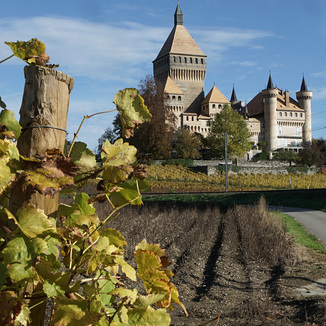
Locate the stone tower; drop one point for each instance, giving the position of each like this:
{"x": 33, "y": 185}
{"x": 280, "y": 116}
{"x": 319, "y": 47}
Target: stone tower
{"x": 304, "y": 98}
{"x": 182, "y": 60}
{"x": 270, "y": 104}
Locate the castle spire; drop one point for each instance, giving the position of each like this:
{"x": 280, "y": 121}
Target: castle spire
{"x": 178, "y": 16}
{"x": 304, "y": 87}
{"x": 234, "y": 95}
{"x": 270, "y": 84}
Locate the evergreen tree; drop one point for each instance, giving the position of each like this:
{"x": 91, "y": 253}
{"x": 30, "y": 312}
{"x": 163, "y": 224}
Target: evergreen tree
{"x": 238, "y": 138}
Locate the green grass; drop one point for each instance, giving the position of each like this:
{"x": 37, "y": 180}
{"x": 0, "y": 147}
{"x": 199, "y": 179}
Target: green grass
{"x": 300, "y": 234}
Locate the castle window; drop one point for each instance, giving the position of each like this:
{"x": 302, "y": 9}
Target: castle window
{"x": 174, "y": 59}
{"x": 301, "y": 115}
{"x": 280, "y": 114}
{"x": 173, "y": 97}
{"x": 291, "y": 114}
{"x": 190, "y": 60}
{"x": 180, "y": 60}
{"x": 286, "y": 114}
{"x": 196, "y": 60}
{"x": 202, "y": 61}
{"x": 185, "y": 60}
{"x": 179, "y": 98}
{"x": 296, "y": 115}
{"x": 219, "y": 106}
{"x": 187, "y": 118}
{"x": 192, "y": 118}
{"x": 213, "y": 106}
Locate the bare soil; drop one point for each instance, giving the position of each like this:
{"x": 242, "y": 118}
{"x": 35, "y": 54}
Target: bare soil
{"x": 239, "y": 266}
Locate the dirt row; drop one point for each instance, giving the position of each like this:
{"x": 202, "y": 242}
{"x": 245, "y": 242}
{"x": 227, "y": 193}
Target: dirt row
{"x": 238, "y": 266}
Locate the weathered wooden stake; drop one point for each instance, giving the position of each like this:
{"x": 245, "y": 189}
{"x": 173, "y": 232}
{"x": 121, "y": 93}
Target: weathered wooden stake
{"x": 43, "y": 117}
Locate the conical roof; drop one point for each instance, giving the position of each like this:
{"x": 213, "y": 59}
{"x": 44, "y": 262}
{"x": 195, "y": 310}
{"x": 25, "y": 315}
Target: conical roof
{"x": 233, "y": 96}
{"x": 171, "y": 87}
{"x": 180, "y": 42}
{"x": 304, "y": 87}
{"x": 215, "y": 96}
{"x": 270, "y": 84}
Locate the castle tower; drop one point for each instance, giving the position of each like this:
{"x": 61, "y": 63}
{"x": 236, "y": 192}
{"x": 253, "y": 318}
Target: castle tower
{"x": 270, "y": 104}
{"x": 181, "y": 59}
{"x": 304, "y": 97}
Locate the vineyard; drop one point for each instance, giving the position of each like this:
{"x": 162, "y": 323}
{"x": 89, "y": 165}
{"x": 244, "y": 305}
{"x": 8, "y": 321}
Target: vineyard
{"x": 172, "y": 178}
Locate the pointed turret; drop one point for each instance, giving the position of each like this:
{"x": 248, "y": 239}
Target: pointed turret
{"x": 304, "y": 87}
{"x": 304, "y": 97}
{"x": 270, "y": 84}
{"x": 233, "y": 96}
{"x": 178, "y": 16}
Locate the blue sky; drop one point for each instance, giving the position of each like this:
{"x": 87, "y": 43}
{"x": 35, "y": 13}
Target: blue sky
{"x": 110, "y": 45}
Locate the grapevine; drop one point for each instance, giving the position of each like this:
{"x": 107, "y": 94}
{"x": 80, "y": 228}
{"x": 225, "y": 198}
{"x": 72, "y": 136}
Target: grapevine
{"x": 77, "y": 260}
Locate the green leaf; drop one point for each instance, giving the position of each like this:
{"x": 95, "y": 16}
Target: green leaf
{"x": 132, "y": 110}
{"x": 18, "y": 260}
{"x": 51, "y": 289}
{"x": 118, "y": 154}
{"x": 6, "y": 175}
{"x": 74, "y": 313}
{"x": 26, "y": 50}
{"x": 148, "y": 300}
{"x": 7, "y": 118}
{"x": 9, "y": 149}
{"x": 32, "y": 221}
{"x": 116, "y": 174}
{"x": 83, "y": 157}
{"x": 23, "y": 316}
{"x": 148, "y": 317}
{"x": 2, "y": 104}
{"x": 82, "y": 201}
{"x": 115, "y": 237}
{"x": 126, "y": 268}
{"x": 128, "y": 194}
{"x": 126, "y": 293}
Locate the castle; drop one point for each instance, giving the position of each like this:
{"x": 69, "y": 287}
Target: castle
{"x": 272, "y": 116}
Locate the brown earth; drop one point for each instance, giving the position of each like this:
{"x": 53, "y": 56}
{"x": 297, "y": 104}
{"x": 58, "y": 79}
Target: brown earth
{"x": 239, "y": 265}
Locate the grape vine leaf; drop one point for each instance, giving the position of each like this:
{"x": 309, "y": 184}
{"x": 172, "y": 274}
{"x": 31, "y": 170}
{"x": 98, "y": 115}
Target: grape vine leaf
{"x": 7, "y": 118}
{"x": 74, "y": 313}
{"x": 83, "y": 157}
{"x": 118, "y": 154}
{"x": 6, "y": 175}
{"x": 151, "y": 269}
{"x": 17, "y": 257}
{"x": 132, "y": 110}
{"x": 129, "y": 192}
{"x": 32, "y": 221}
{"x": 32, "y": 51}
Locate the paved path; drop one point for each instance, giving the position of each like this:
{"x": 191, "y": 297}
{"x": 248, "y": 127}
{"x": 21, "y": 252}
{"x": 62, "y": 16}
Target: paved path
{"x": 314, "y": 221}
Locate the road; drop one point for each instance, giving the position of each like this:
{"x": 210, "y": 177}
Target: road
{"x": 314, "y": 221}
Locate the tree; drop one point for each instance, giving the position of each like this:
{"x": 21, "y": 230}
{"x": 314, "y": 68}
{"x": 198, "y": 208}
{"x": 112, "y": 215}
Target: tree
{"x": 187, "y": 144}
{"x": 154, "y": 138}
{"x": 286, "y": 156}
{"x": 238, "y": 137}
{"x": 310, "y": 156}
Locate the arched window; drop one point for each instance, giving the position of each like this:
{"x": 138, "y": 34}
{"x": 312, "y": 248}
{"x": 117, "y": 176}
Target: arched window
{"x": 196, "y": 60}
{"x": 202, "y": 61}
{"x": 180, "y": 60}
{"x": 213, "y": 106}
{"x": 185, "y": 60}
{"x": 173, "y": 97}
{"x": 190, "y": 60}
{"x": 174, "y": 59}
{"x": 179, "y": 98}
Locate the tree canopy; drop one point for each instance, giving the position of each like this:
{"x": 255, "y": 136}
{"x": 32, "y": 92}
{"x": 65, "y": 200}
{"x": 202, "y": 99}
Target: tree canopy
{"x": 187, "y": 144}
{"x": 238, "y": 138}
{"x": 153, "y": 139}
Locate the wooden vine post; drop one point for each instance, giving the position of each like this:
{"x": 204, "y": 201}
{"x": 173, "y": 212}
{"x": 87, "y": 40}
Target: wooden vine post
{"x": 43, "y": 117}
